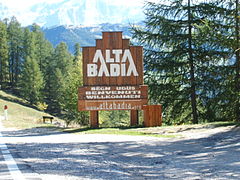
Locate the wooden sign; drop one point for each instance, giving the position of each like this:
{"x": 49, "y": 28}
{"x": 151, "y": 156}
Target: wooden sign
{"x": 112, "y": 75}
{"x": 112, "y": 62}
{"x": 109, "y": 105}
{"x": 112, "y": 92}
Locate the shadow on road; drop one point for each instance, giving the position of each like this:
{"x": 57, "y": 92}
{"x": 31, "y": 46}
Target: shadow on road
{"x": 214, "y": 157}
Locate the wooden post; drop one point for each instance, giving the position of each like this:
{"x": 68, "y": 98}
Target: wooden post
{"x": 134, "y": 117}
{"x": 152, "y": 115}
{"x": 94, "y": 123}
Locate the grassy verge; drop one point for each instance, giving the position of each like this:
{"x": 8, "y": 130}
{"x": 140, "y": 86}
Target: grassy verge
{"x": 164, "y": 131}
{"x": 20, "y": 116}
{"x": 220, "y": 124}
{"x": 117, "y": 131}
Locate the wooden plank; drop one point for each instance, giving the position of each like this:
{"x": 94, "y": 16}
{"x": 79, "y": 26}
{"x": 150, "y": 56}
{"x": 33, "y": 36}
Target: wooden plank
{"x": 160, "y": 115}
{"x": 125, "y": 44}
{"x": 109, "y": 105}
{"x": 144, "y": 90}
{"x": 152, "y": 115}
{"x": 99, "y": 43}
{"x": 112, "y": 92}
{"x": 134, "y": 117}
{"x": 111, "y": 39}
{"x": 88, "y": 55}
{"x": 146, "y": 115}
{"x": 133, "y": 79}
{"x": 94, "y": 119}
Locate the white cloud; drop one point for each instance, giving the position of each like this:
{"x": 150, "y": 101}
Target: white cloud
{"x": 21, "y": 5}
{"x": 25, "y": 4}
{"x": 22, "y": 9}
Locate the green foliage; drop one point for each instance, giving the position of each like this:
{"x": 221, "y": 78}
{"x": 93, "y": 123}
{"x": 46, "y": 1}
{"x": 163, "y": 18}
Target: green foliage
{"x": 223, "y": 26}
{"x": 4, "y": 64}
{"x": 114, "y": 118}
{"x": 15, "y": 41}
{"x": 45, "y": 76}
{"x": 170, "y": 39}
{"x": 31, "y": 82}
{"x": 69, "y": 98}
{"x": 175, "y": 67}
{"x": 56, "y": 72}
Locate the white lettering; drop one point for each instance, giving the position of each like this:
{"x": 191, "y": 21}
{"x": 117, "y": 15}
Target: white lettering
{"x": 98, "y": 55}
{"x": 115, "y": 69}
{"x": 108, "y": 57}
{"x": 117, "y": 53}
{"x": 123, "y": 69}
{"x": 132, "y": 67}
{"x": 92, "y": 70}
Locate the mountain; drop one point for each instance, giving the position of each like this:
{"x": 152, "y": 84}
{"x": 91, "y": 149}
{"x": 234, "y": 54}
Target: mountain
{"x": 75, "y": 21}
{"x": 84, "y": 35}
{"x": 75, "y": 12}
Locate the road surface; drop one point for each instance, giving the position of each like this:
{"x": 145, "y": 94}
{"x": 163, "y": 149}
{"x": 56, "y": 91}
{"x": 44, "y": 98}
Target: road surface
{"x": 47, "y": 154}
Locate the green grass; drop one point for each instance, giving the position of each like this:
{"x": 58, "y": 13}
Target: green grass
{"x": 117, "y": 131}
{"x": 167, "y": 131}
{"x": 227, "y": 123}
{"x": 19, "y": 116}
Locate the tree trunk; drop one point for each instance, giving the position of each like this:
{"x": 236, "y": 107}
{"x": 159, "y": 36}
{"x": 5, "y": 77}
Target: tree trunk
{"x": 237, "y": 81}
{"x": 191, "y": 64}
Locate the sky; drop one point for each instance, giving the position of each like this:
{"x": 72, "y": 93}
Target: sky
{"x": 21, "y": 8}
{"x": 25, "y": 4}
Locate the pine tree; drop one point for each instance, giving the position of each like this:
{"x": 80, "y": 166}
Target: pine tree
{"x": 69, "y": 98}
{"x": 44, "y": 48}
{"x": 191, "y": 63}
{"x": 77, "y": 53}
{"x": 15, "y": 33}
{"x": 223, "y": 37}
{"x": 170, "y": 38}
{"x": 31, "y": 81}
{"x": 29, "y": 45}
{"x": 237, "y": 62}
{"x": 57, "y": 70}
{"x": 4, "y": 66}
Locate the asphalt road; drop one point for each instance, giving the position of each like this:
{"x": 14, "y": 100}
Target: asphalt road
{"x": 44, "y": 154}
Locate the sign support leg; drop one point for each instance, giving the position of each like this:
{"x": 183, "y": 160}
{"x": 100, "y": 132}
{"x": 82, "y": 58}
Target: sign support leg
{"x": 134, "y": 117}
{"x": 94, "y": 122}
{"x": 152, "y": 115}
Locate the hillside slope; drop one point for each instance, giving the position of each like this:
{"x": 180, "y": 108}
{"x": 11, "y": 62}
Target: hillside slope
{"x": 19, "y": 115}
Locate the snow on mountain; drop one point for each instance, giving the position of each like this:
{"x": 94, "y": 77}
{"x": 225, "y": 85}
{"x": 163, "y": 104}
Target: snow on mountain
{"x": 76, "y": 12}
{"x": 85, "y": 35}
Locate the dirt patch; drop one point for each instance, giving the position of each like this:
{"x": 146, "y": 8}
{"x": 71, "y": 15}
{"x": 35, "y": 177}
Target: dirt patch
{"x": 189, "y": 131}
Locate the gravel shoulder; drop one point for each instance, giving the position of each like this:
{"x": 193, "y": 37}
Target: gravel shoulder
{"x": 197, "y": 153}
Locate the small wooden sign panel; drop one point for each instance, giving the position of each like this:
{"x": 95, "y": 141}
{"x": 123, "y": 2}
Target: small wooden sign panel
{"x": 112, "y": 75}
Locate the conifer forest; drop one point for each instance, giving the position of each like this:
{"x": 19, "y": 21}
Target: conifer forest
{"x": 191, "y": 64}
